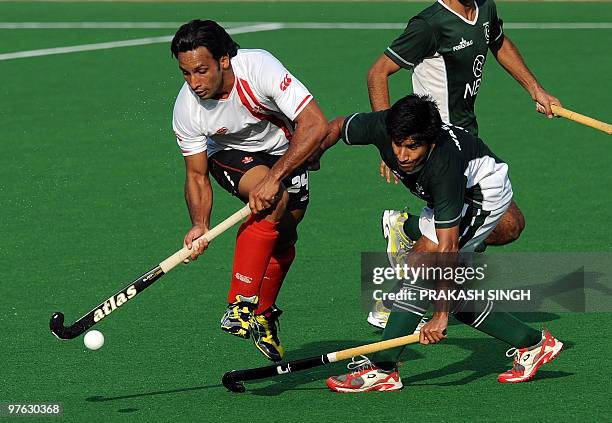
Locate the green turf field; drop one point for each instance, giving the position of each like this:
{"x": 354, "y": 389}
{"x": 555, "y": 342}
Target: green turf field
{"x": 91, "y": 197}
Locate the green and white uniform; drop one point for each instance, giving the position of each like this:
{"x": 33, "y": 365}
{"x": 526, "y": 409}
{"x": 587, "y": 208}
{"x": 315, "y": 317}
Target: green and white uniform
{"x": 463, "y": 182}
{"x": 447, "y": 53}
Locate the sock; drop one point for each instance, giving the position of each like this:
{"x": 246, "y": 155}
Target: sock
{"x": 411, "y": 227}
{"x": 273, "y": 279}
{"x": 499, "y": 324}
{"x": 480, "y": 248}
{"x": 254, "y": 245}
{"x": 400, "y": 323}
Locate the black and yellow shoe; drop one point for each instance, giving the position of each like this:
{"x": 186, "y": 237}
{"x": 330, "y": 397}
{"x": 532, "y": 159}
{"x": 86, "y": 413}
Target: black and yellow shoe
{"x": 264, "y": 329}
{"x": 238, "y": 314}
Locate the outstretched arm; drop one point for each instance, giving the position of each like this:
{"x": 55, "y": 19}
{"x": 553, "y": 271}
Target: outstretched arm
{"x": 511, "y": 60}
{"x": 334, "y": 131}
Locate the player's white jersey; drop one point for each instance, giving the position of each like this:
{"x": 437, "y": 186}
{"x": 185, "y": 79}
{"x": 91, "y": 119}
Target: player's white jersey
{"x": 257, "y": 115}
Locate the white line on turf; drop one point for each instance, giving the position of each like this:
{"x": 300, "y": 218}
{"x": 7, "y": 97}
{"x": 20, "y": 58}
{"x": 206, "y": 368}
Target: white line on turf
{"x": 126, "y": 43}
{"x": 296, "y": 25}
{"x": 251, "y": 27}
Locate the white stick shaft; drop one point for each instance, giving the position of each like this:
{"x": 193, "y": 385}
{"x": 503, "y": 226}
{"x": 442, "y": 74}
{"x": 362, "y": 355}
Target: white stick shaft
{"x": 178, "y": 257}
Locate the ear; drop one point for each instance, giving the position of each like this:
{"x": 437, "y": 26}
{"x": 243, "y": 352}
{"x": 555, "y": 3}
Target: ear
{"x": 225, "y": 62}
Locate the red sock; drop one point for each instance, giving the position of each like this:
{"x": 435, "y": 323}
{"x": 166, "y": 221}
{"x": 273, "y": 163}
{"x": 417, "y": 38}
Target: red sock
{"x": 254, "y": 245}
{"x": 273, "y": 280}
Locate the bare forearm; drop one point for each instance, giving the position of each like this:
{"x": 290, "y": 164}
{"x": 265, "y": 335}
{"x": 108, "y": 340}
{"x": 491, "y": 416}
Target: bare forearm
{"x": 199, "y": 198}
{"x": 378, "y": 90}
{"x": 310, "y": 131}
{"x": 511, "y": 60}
{"x": 333, "y": 133}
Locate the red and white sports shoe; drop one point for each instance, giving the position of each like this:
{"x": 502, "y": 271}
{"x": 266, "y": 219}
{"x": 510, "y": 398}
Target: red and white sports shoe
{"x": 527, "y": 361}
{"x": 364, "y": 376}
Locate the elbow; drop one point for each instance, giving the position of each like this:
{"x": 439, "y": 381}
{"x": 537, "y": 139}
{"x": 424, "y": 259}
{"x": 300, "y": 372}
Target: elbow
{"x": 374, "y": 76}
{"x": 320, "y": 129}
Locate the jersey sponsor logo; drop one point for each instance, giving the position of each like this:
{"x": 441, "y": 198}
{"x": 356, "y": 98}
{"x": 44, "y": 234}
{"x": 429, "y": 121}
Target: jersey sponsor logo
{"x": 478, "y": 65}
{"x": 247, "y": 159}
{"x": 285, "y": 82}
{"x": 221, "y": 131}
{"x": 463, "y": 44}
{"x": 471, "y": 89}
{"x": 486, "y": 31}
{"x": 243, "y": 278}
{"x": 114, "y": 302}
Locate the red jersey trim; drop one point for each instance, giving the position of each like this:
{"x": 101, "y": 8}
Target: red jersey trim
{"x": 308, "y": 97}
{"x": 257, "y": 113}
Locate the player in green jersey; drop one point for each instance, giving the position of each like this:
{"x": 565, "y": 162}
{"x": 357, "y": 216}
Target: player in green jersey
{"x": 467, "y": 190}
{"x": 445, "y": 46}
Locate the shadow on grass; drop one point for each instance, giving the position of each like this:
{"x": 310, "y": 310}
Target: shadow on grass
{"x": 100, "y": 398}
{"x": 487, "y": 359}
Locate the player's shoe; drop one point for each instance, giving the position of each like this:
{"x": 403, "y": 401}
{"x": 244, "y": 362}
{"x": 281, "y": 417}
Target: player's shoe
{"x": 398, "y": 243}
{"x": 364, "y": 376}
{"x": 528, "y": 360}
{"x": 379, "y": 316}
{"x": 264, "y": 329}
{"x": 237, "y": 317}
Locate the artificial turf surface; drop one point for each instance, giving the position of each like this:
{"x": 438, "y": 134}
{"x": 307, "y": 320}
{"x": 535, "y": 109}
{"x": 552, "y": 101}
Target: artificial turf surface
{"x": 91, "y": 197}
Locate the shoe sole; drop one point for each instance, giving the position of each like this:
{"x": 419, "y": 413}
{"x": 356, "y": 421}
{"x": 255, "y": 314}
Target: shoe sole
{"x": 544, "y": 360}
{"x": 377, "y": 323}
{"x": 381, "y": 388}
{"x": 265, "y": 353}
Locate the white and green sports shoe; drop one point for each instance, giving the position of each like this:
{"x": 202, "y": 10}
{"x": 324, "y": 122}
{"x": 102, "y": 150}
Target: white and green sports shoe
{"x": 398, "y": 243}
{"x": 379, "y": 316}
{"x": 398, "y": 246}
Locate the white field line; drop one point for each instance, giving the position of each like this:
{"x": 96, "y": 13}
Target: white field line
{"x": 251, "y": 27}
{"x": 126, "y": 43}
{"x": 297, "y": 25}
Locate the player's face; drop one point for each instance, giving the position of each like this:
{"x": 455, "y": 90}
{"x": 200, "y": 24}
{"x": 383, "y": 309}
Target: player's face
{"x": 409, "y": 155}
{"x": 202, "y": 72}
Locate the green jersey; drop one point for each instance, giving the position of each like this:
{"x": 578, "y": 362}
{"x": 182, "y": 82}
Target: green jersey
{"x": 447, "y": 54}
{"x": 460, "y": 169}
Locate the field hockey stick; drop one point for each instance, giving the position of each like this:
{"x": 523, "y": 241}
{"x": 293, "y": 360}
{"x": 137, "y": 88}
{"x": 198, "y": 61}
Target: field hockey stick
{"x": 138, "y": 285}
{"x": 585, "y": 120}
{"x": 233, "y": 379}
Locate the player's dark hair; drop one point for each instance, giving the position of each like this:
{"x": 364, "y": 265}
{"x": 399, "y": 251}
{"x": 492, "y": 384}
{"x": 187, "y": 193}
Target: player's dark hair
{"x": 209, "y": 34}
{"x": 416, "y": 117}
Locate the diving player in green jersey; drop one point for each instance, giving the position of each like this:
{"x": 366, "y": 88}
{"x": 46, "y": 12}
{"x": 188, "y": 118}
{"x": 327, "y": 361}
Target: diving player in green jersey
{"x": 467, "y": 190}
{"x": 445, "y": 46}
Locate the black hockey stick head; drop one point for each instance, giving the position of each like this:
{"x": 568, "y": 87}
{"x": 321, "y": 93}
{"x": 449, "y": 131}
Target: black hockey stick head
{"x": 56, "y": 324}
{"x": 230, "y": 381}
